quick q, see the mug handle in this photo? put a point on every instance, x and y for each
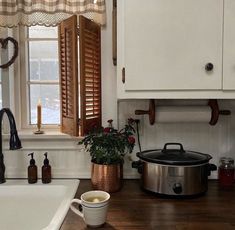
(75, 210)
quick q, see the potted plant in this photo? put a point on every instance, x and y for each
(107, 147)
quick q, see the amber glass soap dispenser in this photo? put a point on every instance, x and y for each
(32, 171)
(46, 171)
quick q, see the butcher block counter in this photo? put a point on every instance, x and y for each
(133, 208)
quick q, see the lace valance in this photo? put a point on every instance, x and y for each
(48, 12)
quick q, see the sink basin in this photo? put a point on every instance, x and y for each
(37, 206)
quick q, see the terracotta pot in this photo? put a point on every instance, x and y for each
(107, 177)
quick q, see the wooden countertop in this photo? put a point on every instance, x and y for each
(134, 209)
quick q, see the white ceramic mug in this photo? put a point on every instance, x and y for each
(94, 207)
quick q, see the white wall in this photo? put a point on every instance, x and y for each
(69, 160)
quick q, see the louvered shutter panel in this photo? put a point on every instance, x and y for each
(69, 75)
(90, 74)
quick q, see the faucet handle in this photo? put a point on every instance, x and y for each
(15, 142)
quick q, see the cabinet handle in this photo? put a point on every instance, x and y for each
(209, 67)
(123, 75)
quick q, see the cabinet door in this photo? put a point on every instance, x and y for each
(167, 44)
(229, 45)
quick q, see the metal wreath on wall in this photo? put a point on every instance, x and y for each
(4, 42)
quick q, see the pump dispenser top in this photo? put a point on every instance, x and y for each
(32, 170)
(46, 161)
(32, 161)
(46, 170)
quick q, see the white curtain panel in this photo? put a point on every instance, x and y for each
(49, 12)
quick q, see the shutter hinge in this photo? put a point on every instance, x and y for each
(123, 75)
(114, 3)
(78, 32)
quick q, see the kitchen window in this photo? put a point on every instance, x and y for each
(35, 73)
(46, 71)
(41, 73)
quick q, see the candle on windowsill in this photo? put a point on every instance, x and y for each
(39, 114)
(39, 117)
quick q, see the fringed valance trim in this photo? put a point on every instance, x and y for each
(49, 12)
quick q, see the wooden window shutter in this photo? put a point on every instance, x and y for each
(90, 74)
(68, 45)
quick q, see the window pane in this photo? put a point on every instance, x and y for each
(49, 70)
(43, 32)
(49, 96)
(43, 60)
(34, 70)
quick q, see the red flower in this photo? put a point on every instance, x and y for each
(131, 140)
(107, 130)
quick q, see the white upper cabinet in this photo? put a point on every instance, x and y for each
(229, 45)
(174, 49)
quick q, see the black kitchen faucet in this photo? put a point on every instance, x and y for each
(14, 142)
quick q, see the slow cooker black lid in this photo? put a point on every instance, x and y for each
(173, 156)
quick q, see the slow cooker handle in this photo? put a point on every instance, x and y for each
(211, 167)
(138, 165)
(181, 147)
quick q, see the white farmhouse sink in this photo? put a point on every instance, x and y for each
(37, 206)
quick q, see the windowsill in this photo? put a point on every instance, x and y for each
(50, 140)
(28, 134)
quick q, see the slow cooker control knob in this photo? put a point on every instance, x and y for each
(177, 188)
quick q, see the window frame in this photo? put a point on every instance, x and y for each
(24, 81)
(7, 75)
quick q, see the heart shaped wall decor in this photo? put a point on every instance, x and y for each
(4, 43)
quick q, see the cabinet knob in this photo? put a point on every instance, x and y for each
(209, 67)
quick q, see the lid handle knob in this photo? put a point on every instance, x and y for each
(167, 144)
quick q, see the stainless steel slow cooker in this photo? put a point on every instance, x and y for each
(174, 171)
